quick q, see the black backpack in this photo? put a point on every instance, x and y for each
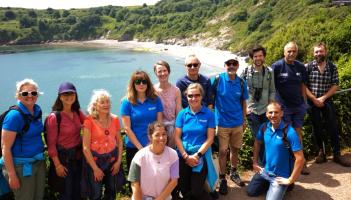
(27, 120)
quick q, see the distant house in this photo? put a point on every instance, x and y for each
(341, 2)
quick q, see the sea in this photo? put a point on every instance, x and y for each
(88, 68)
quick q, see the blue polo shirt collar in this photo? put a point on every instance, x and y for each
(146, 100)
(188, 110)
(226, 77)
(25, 110)
(281, 126)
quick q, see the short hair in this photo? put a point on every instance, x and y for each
(291, 43)
(97, 95)
(191, 56)
(131, 91)
(24, 82)
(320, 44)
(163, 63)
(195, 86)
(255, 49)
(275, 103)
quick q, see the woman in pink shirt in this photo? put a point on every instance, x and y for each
(154, 170)
(102, 147)
(170, 97)
(64, 143)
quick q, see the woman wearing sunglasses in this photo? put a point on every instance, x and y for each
(170, 97)
(23, 152)
(64, 143)
(193, 136)
(102, 148)
(139, 108)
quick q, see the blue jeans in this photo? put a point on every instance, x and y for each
(262, 182)
(255, 121)
(109, 182)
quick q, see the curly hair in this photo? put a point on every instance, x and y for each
(98, 95)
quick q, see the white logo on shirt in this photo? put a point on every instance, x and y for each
(203, 120)
(279, 137)
(152, 108)
(298, 73)
(283, 74)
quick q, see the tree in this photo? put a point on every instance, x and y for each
(32, 14)
(26, 22)
(9, 15)
(65, 13)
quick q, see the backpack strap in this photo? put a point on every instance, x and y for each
(58, 120)
(27, 119)
(214, 89)
(242, 92)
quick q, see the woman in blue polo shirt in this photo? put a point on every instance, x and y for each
(193, 136)
(139, 108)
(23, 158)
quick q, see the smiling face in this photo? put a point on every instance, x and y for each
(103, 105)
(274, 114)
(140, 84)
(194, 97)
(158, 137)
(258, 58)
(192, 65)
(162, 73)
(320, 53)
(68, 98)
(290, 52)
(232, 67)
(26, 96)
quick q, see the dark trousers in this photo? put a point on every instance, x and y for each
(255, 121)
(109, 183)
(130, 153)
(72, 181)
(328, 115)
(191, 183)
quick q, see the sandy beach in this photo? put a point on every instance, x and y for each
(207, 56)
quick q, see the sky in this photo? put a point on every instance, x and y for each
(67, 4)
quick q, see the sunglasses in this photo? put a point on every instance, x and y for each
(68, 93)
(140, 81)
(33, 93)
(190, 96)
(234, 63)
(195, 65)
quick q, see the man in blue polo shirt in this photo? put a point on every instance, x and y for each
(280, 170)
(230, 114)
(192, 65)
(290, 79)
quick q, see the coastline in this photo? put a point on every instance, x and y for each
(207, 56)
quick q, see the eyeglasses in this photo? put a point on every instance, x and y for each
(68, 93)
(107, 132)
(195, 65)
(33, 93)
(190, 96)
(140, 81)
(234, 63)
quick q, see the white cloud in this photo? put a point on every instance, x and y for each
(67, 4)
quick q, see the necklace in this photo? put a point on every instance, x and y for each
(105, 124)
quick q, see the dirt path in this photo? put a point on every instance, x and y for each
(328, 181)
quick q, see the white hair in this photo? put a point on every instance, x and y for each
(97, 95)
(24, 82)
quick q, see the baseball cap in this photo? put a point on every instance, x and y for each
(231, 58)
(66, 87)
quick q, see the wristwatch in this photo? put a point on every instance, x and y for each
(199, 154)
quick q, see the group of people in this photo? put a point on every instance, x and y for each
(170, 129)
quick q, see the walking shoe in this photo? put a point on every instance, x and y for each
(234, 176)
(305, 170)
(340, 160)
(223, 187)
(321, 158)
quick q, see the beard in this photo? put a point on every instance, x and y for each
(320, 58)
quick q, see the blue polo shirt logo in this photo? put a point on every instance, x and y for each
(203, 120)
(152, 108)
(298, 74)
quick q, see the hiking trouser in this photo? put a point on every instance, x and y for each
(32, 187)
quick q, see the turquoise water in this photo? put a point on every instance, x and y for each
(87, 68)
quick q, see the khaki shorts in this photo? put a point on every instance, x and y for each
(230, 136)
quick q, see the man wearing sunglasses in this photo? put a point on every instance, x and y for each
(230, 113)
(192, 66)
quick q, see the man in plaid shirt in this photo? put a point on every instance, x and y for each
(321, 85)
